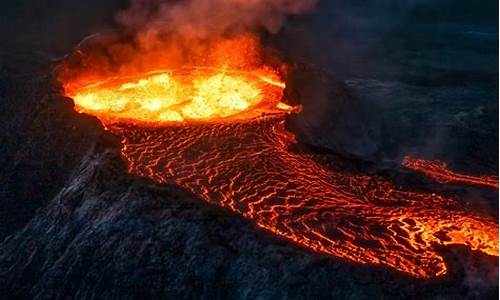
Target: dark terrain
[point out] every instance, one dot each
(417, 79)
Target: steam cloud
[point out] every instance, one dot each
(168, 34)
(206, 18)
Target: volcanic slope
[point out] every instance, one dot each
(248, 167)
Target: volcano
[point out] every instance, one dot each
(229, 149)
(221, 134)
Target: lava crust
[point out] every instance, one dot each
(248, 167)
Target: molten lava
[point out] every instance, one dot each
(247, 167)
(439, 172)
(186, 94)
(218, 130)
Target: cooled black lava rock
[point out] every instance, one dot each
(107, 235)
(94, 232)
(332, 119)
(42, 140)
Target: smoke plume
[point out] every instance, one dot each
(168, 34)
(206, 18)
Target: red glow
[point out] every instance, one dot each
(222, 136)
(439, 172)
(247, 167)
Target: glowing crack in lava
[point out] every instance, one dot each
(220, 133)
(439, 172)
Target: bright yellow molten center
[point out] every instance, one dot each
(170, 97)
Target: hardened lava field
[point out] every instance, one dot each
(239, 157)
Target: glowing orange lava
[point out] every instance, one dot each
(439, 172)
(247, 167)
(188, 94)
(218, 130)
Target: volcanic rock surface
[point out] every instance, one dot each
(76, 225)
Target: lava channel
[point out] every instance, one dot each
(244, 163)
(439, 172)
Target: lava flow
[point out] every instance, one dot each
(439, 172)
(219, 132)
